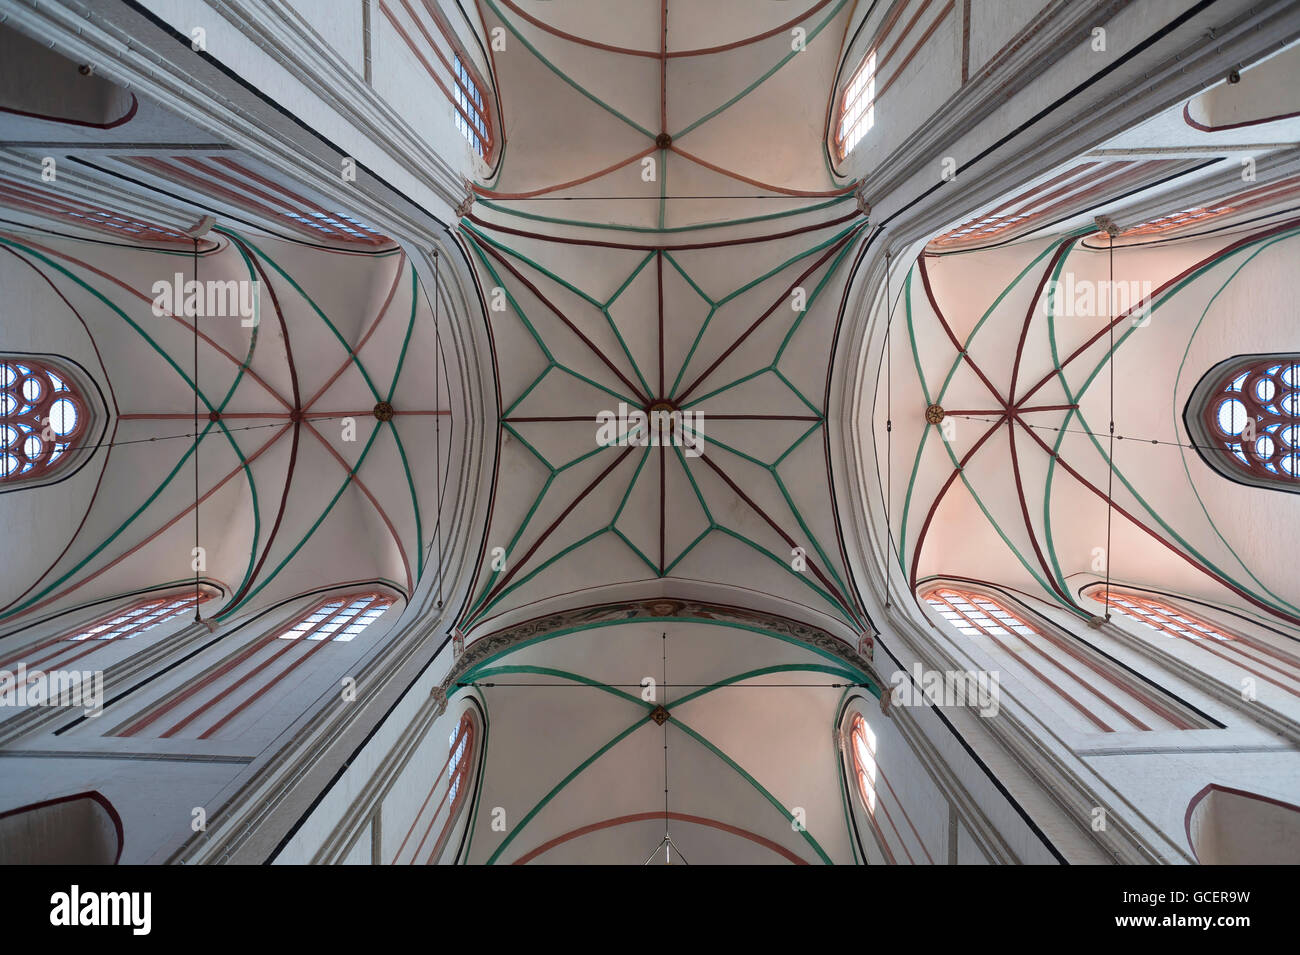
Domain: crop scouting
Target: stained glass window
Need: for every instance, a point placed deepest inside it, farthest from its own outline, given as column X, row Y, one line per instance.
column 42, row 417
column 1254, row 416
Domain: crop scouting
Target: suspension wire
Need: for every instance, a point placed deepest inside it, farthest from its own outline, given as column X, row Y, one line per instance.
column 192, row 434
column 665, row 687
column 437, row 419
column 1110, row 362
column 681, row 686
column 889, row 420
column 198, row 615
column 1207, row 448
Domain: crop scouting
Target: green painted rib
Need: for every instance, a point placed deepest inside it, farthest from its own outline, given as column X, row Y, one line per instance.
column 121, row 314
column 745, row 288
column 797, row 393
column 113, row 536
column 689, row 281
column 771, row 470
column 410, row 327
column 397, row 438
column 694, row 486
column 202, row 396
column 762, row 79
column 415, row 500
column 817, row 290
column 475, row 610
column 631, row 433
column 527, row 444
column 667, row 230
column 555, row 790
column 316, row 308
column 527, row 391
column 767, row 671
column 502, row 247
column 632, row 402
column 911, row 332
column 1183, row 451
column 496, row 279
column 645, row 456
column 1169, row 294
column 312, row 530
column 554, row 69
column 604, row 310
column 762, row 790
column 603, row 624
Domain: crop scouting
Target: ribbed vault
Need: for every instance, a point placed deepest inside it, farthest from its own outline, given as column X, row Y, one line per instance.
column 717, row 296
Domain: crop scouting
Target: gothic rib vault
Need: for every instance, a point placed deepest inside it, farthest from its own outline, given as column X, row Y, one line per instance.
column 874, row 390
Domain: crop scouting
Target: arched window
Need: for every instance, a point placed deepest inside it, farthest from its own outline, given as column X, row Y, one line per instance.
column 338, row 618
column 972, row 614
column 864, row 762
column 140, row 616
column 244, row 679
column 435, row 820
column 434, row 43
column 458, row 762
column 471, row 111
column 1088, row 689
column 1244, row 418
column 1253, row 656
column 857, row 112
column 895, row 833
column 43, row 416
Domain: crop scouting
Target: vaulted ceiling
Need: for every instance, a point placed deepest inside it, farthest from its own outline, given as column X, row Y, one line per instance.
column 298, row 481
column 664, row 228
column 665, row 232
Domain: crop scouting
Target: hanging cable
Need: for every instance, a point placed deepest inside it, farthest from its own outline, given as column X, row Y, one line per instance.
column 889, row 419
column 667, row 838
column 1110, row 362
column 198, row 614
column 437, row 419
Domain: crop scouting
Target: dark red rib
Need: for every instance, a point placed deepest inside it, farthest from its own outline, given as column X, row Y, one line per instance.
column 934, row 505
column 762, row 318
column 1187, row 557
column 782, row 534
column 563, row 318
column 929, row 294
column 642, row 247
column 514, row 568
